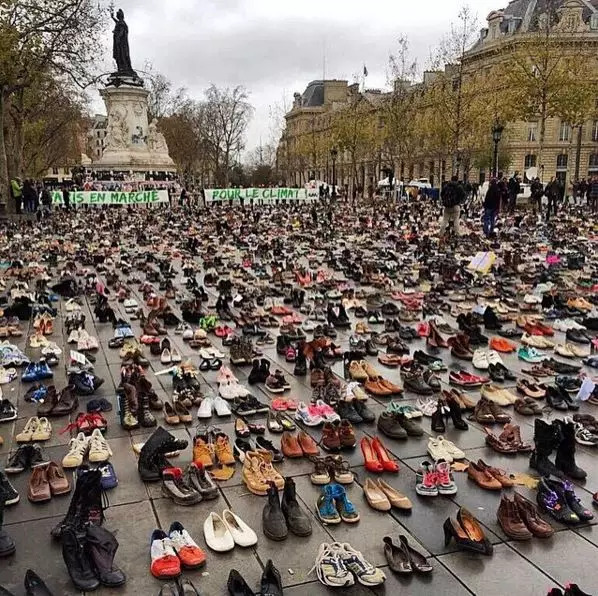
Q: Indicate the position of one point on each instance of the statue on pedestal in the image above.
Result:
(155, 139)
(121, 54)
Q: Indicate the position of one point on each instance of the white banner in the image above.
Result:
(260, 195)
(112, 197)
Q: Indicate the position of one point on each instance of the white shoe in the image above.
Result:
(26, 435)
(166, 357)
(221, 407)
(205, 408)
(573, 324)
(187, 333)
(561, 325)
(242, 534)
(564, 350)
(175, 356)
(77, 449)
(426, 406)
(227, 391)
(73, 337)
(217, 535)
(437, 451)
(494, 357)
(450, 448)
(480, 360)
(99, 450)
(240, 391)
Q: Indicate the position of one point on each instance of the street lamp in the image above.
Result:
(497, 131)
(333, 155)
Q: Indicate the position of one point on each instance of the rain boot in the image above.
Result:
(565, 453)
(547, 437)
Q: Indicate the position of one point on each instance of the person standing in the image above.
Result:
(537, 190)
(66, 197)
(16, 190)
(29, 196)
(593, 195)
(491, 207)
(46, 201)
(552, 192)
(514, 187)
(582, 189)
(452, 196)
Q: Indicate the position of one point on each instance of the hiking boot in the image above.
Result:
(273, 520)
(127, 419)
(346, 435)
(330, 437)
(144, 415)
(253, 476)
(346, 410)
(267, 470)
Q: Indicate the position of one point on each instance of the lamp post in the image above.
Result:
(497, 131)
(333, 155)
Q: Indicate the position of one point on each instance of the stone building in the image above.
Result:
(305, 145)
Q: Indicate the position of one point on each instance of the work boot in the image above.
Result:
(50, 402)
(144, 387)
(145, 417)
(127, 419)
(77, 562)
(273, 520)
(546, 438)
(565, 454)
(297, 520)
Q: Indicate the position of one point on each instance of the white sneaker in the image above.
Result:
(561, 325)
(205, 408)
(573, 324)
(99, 450)
(437, 451)
(364, 571)
(242, 534)
(330, 568)
(450, 448)
(77, 449)
(217, 535)
(426, 406)
(221, 407)
(227, 391)
(480, 360)
(494, 357)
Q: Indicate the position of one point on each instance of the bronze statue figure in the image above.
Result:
(120, 50)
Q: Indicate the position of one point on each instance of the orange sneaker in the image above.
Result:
(500, 344)
(165, 563)
(190, 555)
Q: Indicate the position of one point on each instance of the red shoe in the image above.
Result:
(465, 379)
(190, 555)
(384, 457)
(165, 563)
(423, 329)
(545, 329)
(532, 329)
(372, 464)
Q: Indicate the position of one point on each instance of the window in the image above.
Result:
(595, 131)
(594, 161)
(530, 161)
(562, 161)
(532, 130)
(55, 171)
(565, 132)
(594, 22)
(512, 26)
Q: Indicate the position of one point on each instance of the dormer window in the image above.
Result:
(512, 26)
(594, 22)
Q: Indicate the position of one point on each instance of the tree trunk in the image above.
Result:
(15, 139)
(6, 202)
(578, 151)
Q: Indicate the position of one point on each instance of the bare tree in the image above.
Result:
(163, 99)
(229, 113)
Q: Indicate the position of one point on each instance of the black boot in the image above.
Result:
(273, 521)
(151, 459)
(300, 362)
(565, 454)
(101, 547)
(491, 320)
(546, 438)
(297, 520)
(271, 584)
(255, 375)
(77, 562)
(264, 370)
(237, 586)
(35, 585)
(7, 544)
(144, 415)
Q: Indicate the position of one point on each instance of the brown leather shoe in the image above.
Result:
(59, 483)
(170, 414)
(498, 444)
(330, 439)
(289, 445)
(67, 402)
(529, 515)
(497, 473)
(49, 404)
(183, 413)
(346, 434)
(510, 521)
(460, 347)
(483, 413)
(39, 488)
(511, 435)
(482, 477)
(308, 446)
(392, 387)
(375, 388)
(500, 415)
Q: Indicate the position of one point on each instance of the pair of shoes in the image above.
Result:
(58, 404)
(280, 516)
(212, 446)
(519, 519)
(95, 447)
(26, 456)
(47, 481)
(37, 371)
(89, 558)
(338, 564)
(559, 435)
(181, 587)
(223, 532)
(488, 477)
(334, 506)
(258, 472)
(36, 429)
(173, 551)
(397, 425)
(382, 497)
(403, 559)
(242, 446)
(440, 448)
(433, 479)
(338, 436)
(331, 469)
(376, 456)
(175, 486)
(467, 532)
(270, 584)
(558, 498)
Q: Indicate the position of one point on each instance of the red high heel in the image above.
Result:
(370, 458)
(383, 456)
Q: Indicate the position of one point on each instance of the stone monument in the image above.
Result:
(131, 143)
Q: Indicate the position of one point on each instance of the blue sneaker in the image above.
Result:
(31, 373)
(44, 371)
(326, 509)
(109, 479)
(345, 508)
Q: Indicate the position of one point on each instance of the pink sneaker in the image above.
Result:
(325, 411)
(226, 374)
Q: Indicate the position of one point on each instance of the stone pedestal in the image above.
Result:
(132, 143)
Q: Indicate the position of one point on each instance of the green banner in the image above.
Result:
(112, 197)
(259, 194)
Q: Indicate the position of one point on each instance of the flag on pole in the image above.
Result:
(365, 70)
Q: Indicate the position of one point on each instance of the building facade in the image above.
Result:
(567, 150)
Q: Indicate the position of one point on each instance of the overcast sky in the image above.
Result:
(276, 47)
